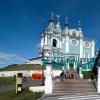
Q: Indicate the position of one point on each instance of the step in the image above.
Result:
(77, 85)
(79, 88)
(71, 91)
(74, 89)
(73, 82)
(74, 94)
(74, 86)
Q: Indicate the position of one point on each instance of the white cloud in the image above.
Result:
(7, 56)
(3, 63)
(10, 58)
(37, 45)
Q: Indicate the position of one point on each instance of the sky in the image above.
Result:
(21, 22)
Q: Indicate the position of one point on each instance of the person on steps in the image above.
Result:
(62, 76)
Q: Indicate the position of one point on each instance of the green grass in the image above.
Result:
(25, 95)
(16, 67)
(6, 81)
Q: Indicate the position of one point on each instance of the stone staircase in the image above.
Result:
(73, 86)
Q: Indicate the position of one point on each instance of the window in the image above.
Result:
(86, 55)
(74, 42)
(74, 33)
(87, 44)
(54, 43)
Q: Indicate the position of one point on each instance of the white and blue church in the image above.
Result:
(63, 47)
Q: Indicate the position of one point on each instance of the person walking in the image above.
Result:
(62, 76)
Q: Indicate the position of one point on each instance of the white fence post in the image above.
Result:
(48, 80)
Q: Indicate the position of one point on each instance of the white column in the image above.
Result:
(48, 80)
(80, 73)
(66, 44)
(58, 43)
(81, 48)
(74, 65)
(93, 49)
(98, 80)
(46, 40)
(68, 65)
(42, 42)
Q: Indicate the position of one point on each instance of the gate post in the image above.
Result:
(98, 80)
(48, 80)
(80, 73)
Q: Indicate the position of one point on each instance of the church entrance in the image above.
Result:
(71, 73)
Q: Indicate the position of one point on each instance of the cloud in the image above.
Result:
(7, 56)
(37, 45)
(2, 63)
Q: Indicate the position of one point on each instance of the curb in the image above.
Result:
(41, 98)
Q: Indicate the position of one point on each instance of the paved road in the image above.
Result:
(74, 97)
(27, 83)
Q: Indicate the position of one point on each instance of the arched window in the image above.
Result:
(74, 33)
(54, 42)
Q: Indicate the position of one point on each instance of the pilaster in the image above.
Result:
(66, 44)
(93, 49)
(81, 47)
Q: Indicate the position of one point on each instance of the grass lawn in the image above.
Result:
(25, 95)
(6, 81)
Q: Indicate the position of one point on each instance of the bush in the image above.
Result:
(87, 74)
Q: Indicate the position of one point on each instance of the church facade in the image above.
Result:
(66, 46)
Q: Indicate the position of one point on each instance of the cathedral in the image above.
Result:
(63, 47)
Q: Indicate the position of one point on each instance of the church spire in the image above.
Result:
(51, 18)
(66, 23)
(80, 28)
(57, 19)
(79, 25)
(57, 24)
(51, 21)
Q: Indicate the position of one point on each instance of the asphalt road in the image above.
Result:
(28, 82)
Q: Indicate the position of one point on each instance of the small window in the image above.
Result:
(86, 55)
(54, 43)
(74, 33)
